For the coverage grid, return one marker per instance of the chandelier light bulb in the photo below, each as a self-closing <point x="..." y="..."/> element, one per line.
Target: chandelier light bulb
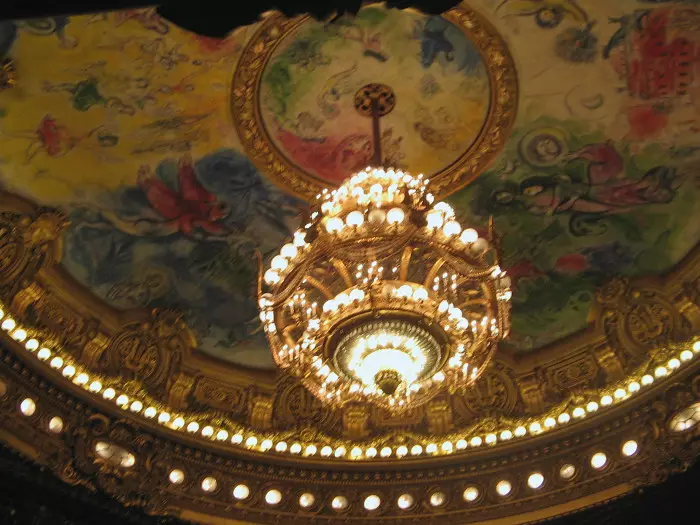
<point x="395" y="216"/>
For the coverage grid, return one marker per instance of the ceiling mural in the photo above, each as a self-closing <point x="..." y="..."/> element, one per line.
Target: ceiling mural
<point x="124" y="122"/>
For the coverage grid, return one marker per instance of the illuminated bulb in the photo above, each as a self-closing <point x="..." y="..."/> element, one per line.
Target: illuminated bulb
<point x="563" y="418"/>
<point x="251" y="441"/>
<point x="660" y="371"/>
<point x="475" y="441"/>
<point x="535" y="480"/>
<point x="339" y="452"/>
<point x="490" y="439"/>
<point x="357" y="295"/>
<point x="176" y="476"/>
<point x="163" y="418"/>
<point x="122" y="400"/>
<point x="371" y="452"/>
<point x="334" y="225"/>
<point x="82" y="379"/>
<point x="27" y="407"/>
<point x="326" y="451"/>
<point x="535" y="428"/>
<point x="299" y="239"/>
<point x="592" y="406"/>
<point x="696" y="347"/>
<point x="355" y="218"/>
<point x="19" y="335"/>
<point x="686" y="355"/>
<point x="209" y="484"/>
<point x="306" y="500"/>
<point x="222" y="435"/>
<point x="437" y="499"/>
<point x="241" y="492"/>
<point x="372" y="502"/>
<point x="8" y="324"/>
<point x="385" y="452"/>
<point x="271" y="277"/>
<point x="150" y="412"/>
<point x="404" y="291"/>
<point x="282" y="446"/>
<point x="266" y="445"/>
<point x="504" y="487"/>
<point x="461" y="444"/>
<point x="447" y="447"/>
<point x="520" y="431"/>
<point x="109" y="393"/>
<point x="416" y="450"/>
<point x="95" y="387"/>
<point x="295" y="448"/>
<point x="434" y="219"/>
<point x="567" y="471"/>
<point x="401" y="451"/>
<point x="376" y="216"/>
<point x="193" y="427"/>
<point x="451" y="228"/>
<point x="237" y="439"/>
<point x="289" y="251"/>
<point x="178" y="423"/>
<point x="619" y="393"/>
<point x="405" y="501"/>
<point x="68" y="371"/>
<point x="56" y="425"/>
<point x="310" y="450"/>
<point x="432" y="448"/>
<point x="606" y="400"/>
<point x="550" y="422"/>
<point x="578" y="412"/>
<point x="469" y="236"/>
<point x="470" y="494"/>
<point x="674" y="363"/>
<point x="136" y="406"/>
<point x="44" y="354"/>
<point x="56" y="362"/>
<point x="395" y="216"/>
<point x="273" y="497"/>
<point x="278" y="263"/>
<point x="630" y="448"/>
<point x="330" y="305"/>
<point x="506" y="435"/>
<point x="647" y="380"/>
<point x="420" y="294"/>
<point x="339" y="503"/>
<point x="598" y="460"/>
<point x="355" y="452"/>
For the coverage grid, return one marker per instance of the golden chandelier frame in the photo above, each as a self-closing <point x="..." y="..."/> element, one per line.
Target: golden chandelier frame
<point x="378" y="256"/>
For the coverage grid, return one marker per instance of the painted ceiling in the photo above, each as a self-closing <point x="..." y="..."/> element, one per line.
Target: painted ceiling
<point x="129" y="125"/>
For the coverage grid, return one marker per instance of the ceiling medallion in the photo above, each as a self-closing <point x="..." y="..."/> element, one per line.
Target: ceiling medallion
<point x="383" y="297"/>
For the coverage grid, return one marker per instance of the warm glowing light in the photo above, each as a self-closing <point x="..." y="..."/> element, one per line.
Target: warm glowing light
<point x="437" y="499"/>
<point x="306" y="500"/>
<point x="176" y="476"/>
<point x="470" y="494"/>
<point x="339" y="503"/>
<point x="56" y="425"/>
<point x="629" y="448"/>
<point x="273" y="497"/>
<point x="504" y="487"/>
<point x="567" y="471"/>
<point x="599" y="460"/>
<point x="405" y="501"/>
<point x="209" y="484"/>
<point x="535" y="480"/>
<point x="241" y="492"/>
<point x="372" y="502"/>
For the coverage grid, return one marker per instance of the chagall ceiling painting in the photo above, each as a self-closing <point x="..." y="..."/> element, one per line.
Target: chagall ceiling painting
<point x="125" y="122"/>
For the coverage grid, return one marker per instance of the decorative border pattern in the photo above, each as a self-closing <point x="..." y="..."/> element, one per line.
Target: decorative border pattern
<point x="245" y="106"/>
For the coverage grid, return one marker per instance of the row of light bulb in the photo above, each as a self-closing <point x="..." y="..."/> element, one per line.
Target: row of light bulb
<point x="165" y="418"/>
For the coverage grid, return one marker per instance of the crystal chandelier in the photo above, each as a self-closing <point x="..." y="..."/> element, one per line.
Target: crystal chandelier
<point x="383" y="297"/>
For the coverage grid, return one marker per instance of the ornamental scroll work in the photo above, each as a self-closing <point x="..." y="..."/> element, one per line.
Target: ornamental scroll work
<point x="293" y="88"/>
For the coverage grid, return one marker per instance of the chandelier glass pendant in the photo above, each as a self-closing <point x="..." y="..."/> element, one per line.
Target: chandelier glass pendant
<point x="383" y="297"/>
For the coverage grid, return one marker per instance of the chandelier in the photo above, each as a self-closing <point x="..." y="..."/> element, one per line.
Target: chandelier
<point x="382" y="297"/>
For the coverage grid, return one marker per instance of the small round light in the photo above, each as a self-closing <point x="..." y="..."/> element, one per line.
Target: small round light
<point x="289" y="251"/>
<point x="376" y="216"/>
<point x="209" y="484"/>
<point x="8" y="324"/>
<point x="163" y="418"/>
<point x="634" y="387"/>
<point x="334" y="224"/>
<point x="355" y="218"/>
<point x="451" y="228"/>
<point x="578" y="412"/>
<point x="395" y="216"/>
<point x="563" y="418"/>
<point x="491" y="439"/>
<point x="279" y="263"/>
<point x="340" y="452"/>
<point x="660" y="371"/>
<point x="43" y="354"/>
<point x="674" y="363"/>
<point x="241" y="492"/>
<point x="355" y="452"/>
<point x="405" y="501"/>
<point x="222" y="435"/>
<point x="208" y="432"/>
<point x="469" y="236"/>
<point x="432" y="448"/>
<point x="447" y="447"/>
<point x="372" y="502"/>
<point x="310" y="450"/>
<point x="56" y="425"/>
<point x="136" y="406"/>
<point x="599" y="460"/>
<point x="504" y="487"/>
<point x="385" y="452"/>
<point x="193" y="427"/>
<point x="68" y="371"/>
<point x="470" y="494"/>
<point x="619" y="393"/>
<point x="271" y="277"/>
<point x="506" y="435"/>
<point x="178" y="423"/>
<point x="592" y="406"/>
<point x="476" y="441"/>
<point x="606" y="400"/>
<point x="567" y="471"/>
<point x="326" y="451"/>
<point x="56" y="362"/>
<point x="696" y="347"/>
<point x="401" y="451"/>
<point x="647" y="379"/>
<point x="306" y="500"/>
<point x="266" y="445"/>
<point x="420" y="294"/>
<point x="520" y="431"/>
<point x="295" y="448"/>
<point x="281" y="446"/>
<point x="535" y="480"/>
<point x="437" y="499"/>
<point x="416" y="450"/>
<point x="251" y="441"/>
<point x="550" y="422"/>
<point x="33" y="344"/>
<point x="122" y="400"/>
<point x="686" y="355"/>
<point x="95" y="387"/>
<point x="630" y="448"/>
<point x="176" y="476"/>
<point x="273" y="497"/>
<point x="82" y="379"/>
<point x="109" y="393"/>
<point x="434" y="219"/>
<point x="461" y="444"/>
<point x="19" y="335"/>
<point x="339" y="503"/>
<point x="535" y="428"/>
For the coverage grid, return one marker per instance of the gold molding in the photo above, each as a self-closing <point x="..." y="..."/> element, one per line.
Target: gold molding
<point x="245" y="106"/>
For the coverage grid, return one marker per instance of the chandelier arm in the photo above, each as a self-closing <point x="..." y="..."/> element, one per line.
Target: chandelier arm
<point x="432" y="273"/>
<point x="462" y="267"/>
<point x="343" y="272"/>
<point x="327" y="293"/>
<point x="405" y="262"/>
<point x="261" y="271"/>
